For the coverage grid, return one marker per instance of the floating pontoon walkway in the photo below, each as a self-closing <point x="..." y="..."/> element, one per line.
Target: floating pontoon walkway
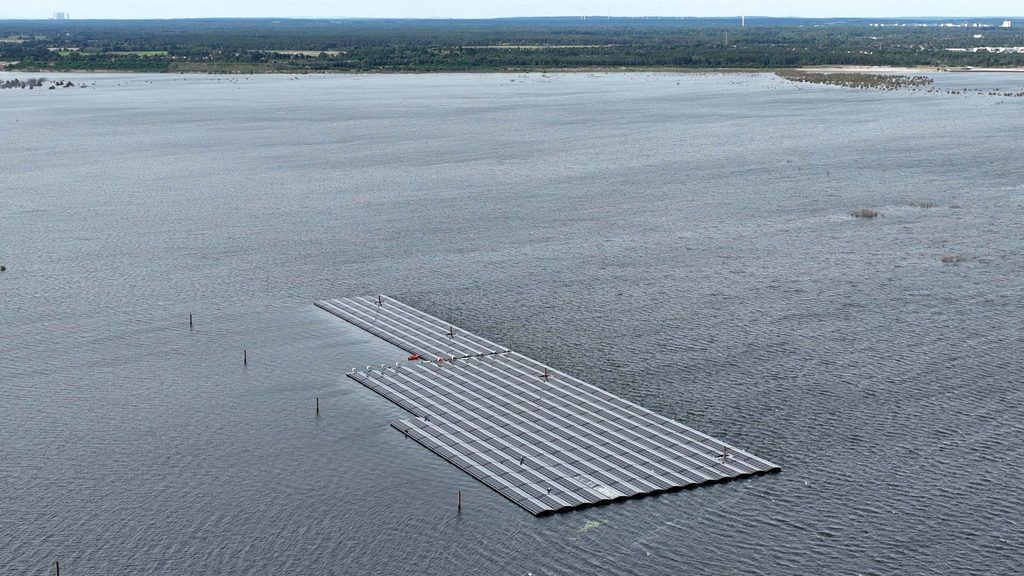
<point x="538" y="436"/>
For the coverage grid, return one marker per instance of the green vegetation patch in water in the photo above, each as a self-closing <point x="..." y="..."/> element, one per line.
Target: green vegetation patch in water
<point x="856" y="79"/>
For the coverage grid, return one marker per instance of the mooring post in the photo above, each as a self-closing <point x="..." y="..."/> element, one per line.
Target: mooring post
<point x="460" y="500"/>
<point x="245" y="357"/>
<point x="317" y="405"/>
<point x="451" y="332"/>
<point x="57" y="562"/>
<point x="190" y="320"/>
<point x="380" y="301"/>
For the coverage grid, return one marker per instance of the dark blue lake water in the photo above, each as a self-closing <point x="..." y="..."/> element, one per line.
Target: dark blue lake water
<point x="684" y="241"/>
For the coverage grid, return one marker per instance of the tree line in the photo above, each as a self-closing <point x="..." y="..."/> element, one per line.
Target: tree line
<point x="516" y="44"/>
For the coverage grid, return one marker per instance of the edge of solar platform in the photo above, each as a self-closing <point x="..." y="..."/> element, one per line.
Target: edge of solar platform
<point x="420" y="428"/>
<point x="533" y="506"/>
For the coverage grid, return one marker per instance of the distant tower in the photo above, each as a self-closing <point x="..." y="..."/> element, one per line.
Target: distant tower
<point x="743" y="21"/>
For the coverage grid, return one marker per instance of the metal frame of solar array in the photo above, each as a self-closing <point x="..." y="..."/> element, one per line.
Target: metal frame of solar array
<point x="543" y="439"/>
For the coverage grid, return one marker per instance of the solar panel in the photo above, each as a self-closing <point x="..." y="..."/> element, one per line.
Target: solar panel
<point x="540" y="437"/>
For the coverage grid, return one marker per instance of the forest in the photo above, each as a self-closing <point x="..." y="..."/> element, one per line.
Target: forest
<point x="523" y="44"/>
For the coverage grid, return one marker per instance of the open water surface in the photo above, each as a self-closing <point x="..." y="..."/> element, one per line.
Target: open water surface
<point x="681" y="240"/>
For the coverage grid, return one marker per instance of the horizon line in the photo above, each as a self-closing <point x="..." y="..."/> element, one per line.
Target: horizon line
<point x="573" y="17"/>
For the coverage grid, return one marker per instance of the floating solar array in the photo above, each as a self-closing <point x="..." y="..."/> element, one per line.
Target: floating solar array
<point x="543" y="439"/>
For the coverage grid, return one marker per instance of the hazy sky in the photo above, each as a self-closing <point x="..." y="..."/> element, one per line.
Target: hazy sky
<point x="81" y="9"/>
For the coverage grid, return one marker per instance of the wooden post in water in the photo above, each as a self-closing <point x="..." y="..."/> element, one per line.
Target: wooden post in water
<point x="460" y="501"/>
<point x="57" y="562"/>
<point x="245" y="357"/>
<point x="317" y="405"/>
<point x="190" y="320"/>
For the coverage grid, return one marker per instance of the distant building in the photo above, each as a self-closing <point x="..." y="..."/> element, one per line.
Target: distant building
<point x="1007" y="24"/>
<point x="60" y="15"/>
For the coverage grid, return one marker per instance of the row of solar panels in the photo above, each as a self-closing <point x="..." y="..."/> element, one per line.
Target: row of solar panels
<point x="410" y="329"/>
<point x="517" y="385"/>
<point x="540" y="437"/>
<point x="495" y="387"/>
<point x="532" y="496"/>
<point x="574" y="427"/>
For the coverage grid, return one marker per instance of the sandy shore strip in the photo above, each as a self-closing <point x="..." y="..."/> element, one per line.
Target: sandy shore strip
<point x="969" y="69"/>
<point x="902" y="69"/>
<point x="871" y="69"/>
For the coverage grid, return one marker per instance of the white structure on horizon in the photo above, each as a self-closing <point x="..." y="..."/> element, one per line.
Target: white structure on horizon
<point x="1007" y="24"/>
<point x="60" y="15"/>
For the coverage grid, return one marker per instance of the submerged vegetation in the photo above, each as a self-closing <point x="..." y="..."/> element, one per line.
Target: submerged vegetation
<point x="871" y="81"/>
<point x="16" y="83"/>
<point x="865" y="213"/>
<point x="258" y="45"/>
<point x="856" y="79"/>
<point x="33" y="83"/>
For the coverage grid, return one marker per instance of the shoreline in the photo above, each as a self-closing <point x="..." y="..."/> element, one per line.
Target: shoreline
<point x="901" y="69"/>
<point x="848" y="69"/>
<point x="603" y="69"/>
